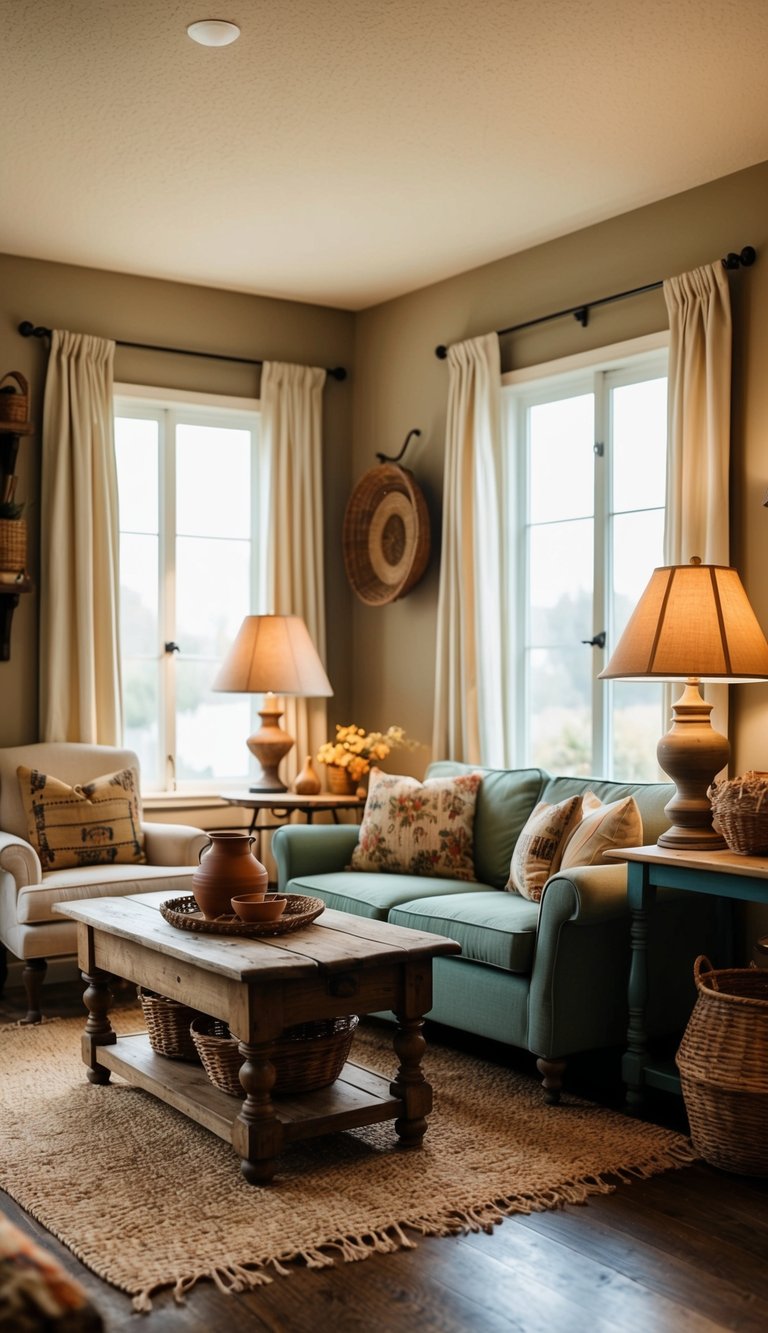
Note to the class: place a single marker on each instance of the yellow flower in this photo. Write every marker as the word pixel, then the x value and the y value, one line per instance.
pixel 355 749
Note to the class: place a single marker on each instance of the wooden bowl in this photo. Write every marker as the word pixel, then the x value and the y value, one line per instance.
pixel 258 907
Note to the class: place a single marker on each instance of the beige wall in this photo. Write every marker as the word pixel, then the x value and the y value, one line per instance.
pixel 172 314
pixel 400 385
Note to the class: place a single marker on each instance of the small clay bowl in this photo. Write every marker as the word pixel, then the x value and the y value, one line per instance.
pixel 258 907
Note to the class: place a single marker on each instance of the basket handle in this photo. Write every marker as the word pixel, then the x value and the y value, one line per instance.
pixel 19 378
pixel 703 967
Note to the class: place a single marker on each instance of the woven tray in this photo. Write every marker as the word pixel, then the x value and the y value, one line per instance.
pixel 305 1057
pixel 185 914
pixel 168 1023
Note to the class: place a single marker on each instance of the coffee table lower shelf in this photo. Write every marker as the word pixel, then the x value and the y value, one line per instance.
pixel 358 1097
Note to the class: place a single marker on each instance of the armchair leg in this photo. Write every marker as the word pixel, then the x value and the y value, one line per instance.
pixel 552 1078
pixel 33 977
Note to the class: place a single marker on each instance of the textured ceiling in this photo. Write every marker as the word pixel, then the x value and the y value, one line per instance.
pixel 347 152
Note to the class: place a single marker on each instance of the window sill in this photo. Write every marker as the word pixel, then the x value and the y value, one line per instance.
pixel 178 800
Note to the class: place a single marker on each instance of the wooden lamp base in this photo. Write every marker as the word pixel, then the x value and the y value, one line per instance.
pixel 692 753
pixel 270 744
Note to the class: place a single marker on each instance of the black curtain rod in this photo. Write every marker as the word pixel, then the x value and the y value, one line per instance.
pixel 29 330
pixel 745 259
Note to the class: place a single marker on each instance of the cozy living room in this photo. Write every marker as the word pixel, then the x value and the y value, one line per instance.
pixel 383 614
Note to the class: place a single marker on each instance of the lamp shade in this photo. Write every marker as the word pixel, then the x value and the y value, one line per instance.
pixel 692 621
pixel 273 655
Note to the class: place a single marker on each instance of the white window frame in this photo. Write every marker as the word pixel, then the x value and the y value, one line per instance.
pixel 167 407
pixel 595 371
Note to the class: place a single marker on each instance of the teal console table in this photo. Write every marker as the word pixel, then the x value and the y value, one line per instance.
pixel 725 875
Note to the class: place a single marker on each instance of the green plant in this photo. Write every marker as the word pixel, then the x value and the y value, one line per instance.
pixel 11 509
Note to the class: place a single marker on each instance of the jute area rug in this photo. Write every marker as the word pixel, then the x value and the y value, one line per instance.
pixel 147 1199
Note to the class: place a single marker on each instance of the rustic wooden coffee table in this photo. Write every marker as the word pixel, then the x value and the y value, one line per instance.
pixel 338 965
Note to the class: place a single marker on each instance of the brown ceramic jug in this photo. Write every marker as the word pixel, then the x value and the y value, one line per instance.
pixel 227 867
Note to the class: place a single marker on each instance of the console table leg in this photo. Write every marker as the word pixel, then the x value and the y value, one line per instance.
pixel 98 1029
pixel 636 1055
pixel 410 1084
pixel 257 1134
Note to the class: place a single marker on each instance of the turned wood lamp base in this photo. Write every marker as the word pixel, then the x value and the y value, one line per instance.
pixel 692 753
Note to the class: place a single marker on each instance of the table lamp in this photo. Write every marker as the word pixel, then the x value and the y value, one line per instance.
pixel 272 655
pixel 693 623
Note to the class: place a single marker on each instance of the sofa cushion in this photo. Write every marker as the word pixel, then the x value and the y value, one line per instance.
pixel 418 828
pixel 602 828
pixel 504 802
pixel 35 902
pixel 96 823
pixel 364 893
pixel 540 846
pixel 498 929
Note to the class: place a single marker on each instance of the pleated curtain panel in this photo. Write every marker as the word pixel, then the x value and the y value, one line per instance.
pixel 470 721
pixel 80 694
pixel 291 423
pixel 699 434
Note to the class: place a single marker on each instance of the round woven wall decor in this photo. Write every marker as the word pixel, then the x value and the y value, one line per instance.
pixel 386 535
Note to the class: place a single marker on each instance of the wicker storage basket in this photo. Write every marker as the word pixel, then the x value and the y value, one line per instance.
pixel 308 1056
pixel 14 402
pixel 740 812
pixel 13 544
pixel 340 780
pixel 385 535
pixel 723 1063
pixel 168 1026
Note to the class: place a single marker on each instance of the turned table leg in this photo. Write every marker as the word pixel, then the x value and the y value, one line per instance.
pixel 409 1084
pixel 257 1134
pixel 98 1029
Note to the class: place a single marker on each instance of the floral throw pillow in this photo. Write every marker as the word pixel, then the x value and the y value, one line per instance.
pixel 418 828
pixel 540 845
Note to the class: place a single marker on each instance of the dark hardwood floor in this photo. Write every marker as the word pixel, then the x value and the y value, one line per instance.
pixel 687 1250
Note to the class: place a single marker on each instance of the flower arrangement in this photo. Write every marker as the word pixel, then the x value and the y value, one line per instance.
pixel 355 749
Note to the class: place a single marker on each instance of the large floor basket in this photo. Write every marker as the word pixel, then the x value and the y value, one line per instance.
pixel 723 1063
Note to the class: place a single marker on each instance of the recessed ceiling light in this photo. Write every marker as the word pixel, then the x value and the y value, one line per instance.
pixel 213 32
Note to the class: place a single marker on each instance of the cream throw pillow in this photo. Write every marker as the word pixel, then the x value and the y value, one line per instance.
pixel 98 823
pixel 603 827
pixel 538 849
pixel 418 828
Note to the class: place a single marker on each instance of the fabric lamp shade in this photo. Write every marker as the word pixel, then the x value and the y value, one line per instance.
pixel 272 655
pixel 693 623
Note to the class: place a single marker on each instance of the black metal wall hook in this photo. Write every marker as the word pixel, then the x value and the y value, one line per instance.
pixel 395 458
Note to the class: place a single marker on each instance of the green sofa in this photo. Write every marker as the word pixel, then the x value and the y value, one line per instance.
pixel 550 978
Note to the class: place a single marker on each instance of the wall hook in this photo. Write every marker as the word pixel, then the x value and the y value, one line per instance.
pixel 395 458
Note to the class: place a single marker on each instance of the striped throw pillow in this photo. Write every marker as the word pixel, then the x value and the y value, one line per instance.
pixel 603 827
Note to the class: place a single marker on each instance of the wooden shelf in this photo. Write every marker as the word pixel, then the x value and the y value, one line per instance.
pixel 9 600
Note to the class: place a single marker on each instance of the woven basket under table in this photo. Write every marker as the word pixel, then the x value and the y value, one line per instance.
pixel 723 1063
pixel 168 1026
pixel 305 1057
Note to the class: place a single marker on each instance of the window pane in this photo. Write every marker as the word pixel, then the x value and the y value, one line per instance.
pixel 136 446
pixel 213 590
pixel 636 725
pixel 211 729
pixel 213 481
pixel 560 583
pixel 638 546
pixel 639 444
pixel 560 727
pixel 139 595
pixel 562 459
pixel 141 704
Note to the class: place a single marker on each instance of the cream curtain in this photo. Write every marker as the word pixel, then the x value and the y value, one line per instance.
pixel 80 694
pixel 469 718
pixel 698 454
pixel 291 417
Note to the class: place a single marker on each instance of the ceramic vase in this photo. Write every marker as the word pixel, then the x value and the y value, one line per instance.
pixel 227 867
pixel 307 783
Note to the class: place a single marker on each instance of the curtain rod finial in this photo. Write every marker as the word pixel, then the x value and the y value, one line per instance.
pixel 441 352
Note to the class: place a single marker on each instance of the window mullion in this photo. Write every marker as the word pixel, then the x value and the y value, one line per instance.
pixel 168 596
pixel 601 574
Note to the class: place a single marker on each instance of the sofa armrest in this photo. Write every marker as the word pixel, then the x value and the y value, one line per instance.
pixel 312 849
pixel 173 844
pixel 585 894
pixel 21 860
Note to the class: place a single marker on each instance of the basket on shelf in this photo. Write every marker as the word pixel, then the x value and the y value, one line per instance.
pixel 13 544
pixel 723 1063
pixel 740 812
pixel 305 1057
pixel 168 1026
pixel 14 402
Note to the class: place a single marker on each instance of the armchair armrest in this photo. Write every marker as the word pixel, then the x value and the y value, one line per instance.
pixel 312 849
pixel 20 860
pixel 173 844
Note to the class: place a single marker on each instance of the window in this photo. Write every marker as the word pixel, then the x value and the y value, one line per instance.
pixel 585 458
pixel 192 565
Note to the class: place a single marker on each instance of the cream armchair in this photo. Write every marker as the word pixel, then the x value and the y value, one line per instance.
pixel 29 927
